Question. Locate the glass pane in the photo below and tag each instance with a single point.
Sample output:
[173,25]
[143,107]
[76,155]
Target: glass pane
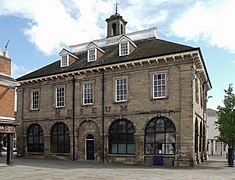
[114,148]
[149,148]
[170,137]
[130,148]
[170,148]
[150,138]
[122,148]
[160,137]
[160,148]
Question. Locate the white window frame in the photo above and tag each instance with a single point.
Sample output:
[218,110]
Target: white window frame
[88,93]
[59,101]
[160,86]
[34,99]
[122,51]
[122,95]
[89,59]
[64,60]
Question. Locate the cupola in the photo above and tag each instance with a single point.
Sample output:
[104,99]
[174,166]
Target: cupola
[116,25]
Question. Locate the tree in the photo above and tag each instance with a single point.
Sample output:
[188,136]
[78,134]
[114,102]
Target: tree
[226,123]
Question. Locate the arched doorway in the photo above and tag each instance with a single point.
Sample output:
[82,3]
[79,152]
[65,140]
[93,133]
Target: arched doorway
[90,147]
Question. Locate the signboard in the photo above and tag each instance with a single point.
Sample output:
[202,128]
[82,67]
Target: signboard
[7,129]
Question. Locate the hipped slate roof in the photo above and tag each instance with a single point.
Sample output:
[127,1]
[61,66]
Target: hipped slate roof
[146,48]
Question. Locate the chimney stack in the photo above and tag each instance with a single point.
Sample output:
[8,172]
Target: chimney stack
[0,52]
[6,54]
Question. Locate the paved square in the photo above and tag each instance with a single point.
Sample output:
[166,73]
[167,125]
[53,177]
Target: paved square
[215,168]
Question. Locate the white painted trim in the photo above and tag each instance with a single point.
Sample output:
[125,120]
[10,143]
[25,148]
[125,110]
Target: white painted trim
[57,87]
[83,93]
[88,55]
[153,85]
[119,78]
[6,118]
[120,49]
[67,60]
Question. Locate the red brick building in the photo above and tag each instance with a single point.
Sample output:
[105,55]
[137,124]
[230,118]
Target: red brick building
[7,99]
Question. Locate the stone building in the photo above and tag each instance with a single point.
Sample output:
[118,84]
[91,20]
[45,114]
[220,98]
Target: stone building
[7,100]
[215,147]
[126,98]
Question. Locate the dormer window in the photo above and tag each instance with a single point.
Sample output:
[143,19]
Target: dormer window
[91,55]
[64,61]
[123,48]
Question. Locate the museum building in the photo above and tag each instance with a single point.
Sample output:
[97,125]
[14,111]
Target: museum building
[126,98]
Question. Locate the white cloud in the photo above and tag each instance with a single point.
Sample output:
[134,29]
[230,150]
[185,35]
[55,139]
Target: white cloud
[55,24]
[209,21]
[18,70]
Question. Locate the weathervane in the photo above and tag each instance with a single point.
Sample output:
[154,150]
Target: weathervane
[116,7]
[7,45]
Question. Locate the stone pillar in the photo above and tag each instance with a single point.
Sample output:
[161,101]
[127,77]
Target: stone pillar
[46,145]
[209,147]
[9,160]
[139,148]
[213,147]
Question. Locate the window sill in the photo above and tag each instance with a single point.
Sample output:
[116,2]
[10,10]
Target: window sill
[34,110]
[120,102]
[165,155]
[121,155]
[87,105]
[159,99]
[61,154]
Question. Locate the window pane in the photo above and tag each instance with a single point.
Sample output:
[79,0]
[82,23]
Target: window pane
[121,135]
[60,140]
[122,148]
[149,149]
[150,138]
[170,148]
[91,55]
[121,89]
[114,148]
[88,93]
[162,136]
[60,96]
[35,139]
[64,61]
[124,48]
[130,148]
[159,85]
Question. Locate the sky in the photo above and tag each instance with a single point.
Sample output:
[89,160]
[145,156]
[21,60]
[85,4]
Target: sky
[38,30]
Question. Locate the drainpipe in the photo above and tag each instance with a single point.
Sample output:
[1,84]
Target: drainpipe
[102,115]
[73,116]
[205,121]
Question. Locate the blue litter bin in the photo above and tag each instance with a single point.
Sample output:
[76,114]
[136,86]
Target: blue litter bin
[158,160]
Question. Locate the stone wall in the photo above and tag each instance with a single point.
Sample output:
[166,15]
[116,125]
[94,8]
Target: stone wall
[140,108]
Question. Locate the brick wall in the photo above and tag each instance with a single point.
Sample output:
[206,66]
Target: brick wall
[6,101]
[5,65]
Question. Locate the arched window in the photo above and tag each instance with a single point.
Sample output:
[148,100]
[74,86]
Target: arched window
[160,136]
[114,28]
[35,138]
[196,136]
[60,142]
[121,137]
